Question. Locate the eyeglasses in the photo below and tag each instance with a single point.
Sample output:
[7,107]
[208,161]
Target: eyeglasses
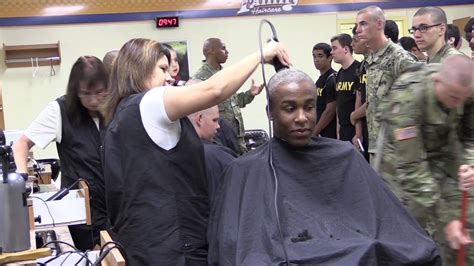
[90,95]
[422,28]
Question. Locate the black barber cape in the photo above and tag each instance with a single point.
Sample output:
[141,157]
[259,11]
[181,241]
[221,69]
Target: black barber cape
[217,158]
[334,210]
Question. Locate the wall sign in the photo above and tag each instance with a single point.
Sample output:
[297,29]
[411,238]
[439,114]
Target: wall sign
[256,7]
[30,12]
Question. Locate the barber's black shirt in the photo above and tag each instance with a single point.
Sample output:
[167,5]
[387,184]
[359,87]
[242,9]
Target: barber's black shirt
[157,200]
[79,152]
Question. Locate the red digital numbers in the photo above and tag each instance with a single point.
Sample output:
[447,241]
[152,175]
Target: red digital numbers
[167,22]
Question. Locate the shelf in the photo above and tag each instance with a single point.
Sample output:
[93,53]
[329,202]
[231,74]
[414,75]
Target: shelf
[32,55]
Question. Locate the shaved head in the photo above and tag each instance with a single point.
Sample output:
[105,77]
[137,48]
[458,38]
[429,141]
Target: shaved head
[437,14]
[370,23]
[210,44]
[375,12]
[215,52]
[458,68]
[206,123]
[284,77]
[453,83]
[292,109]
[210,110]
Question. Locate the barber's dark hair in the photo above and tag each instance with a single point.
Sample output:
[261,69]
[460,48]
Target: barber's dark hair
[133,67]
[344,39]
[167,46]
[453,31]
[438,14]
[407,43]
[326,48]
[170,48]
[87,70]
[391,30]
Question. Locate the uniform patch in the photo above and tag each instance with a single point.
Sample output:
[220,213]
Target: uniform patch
[405,133]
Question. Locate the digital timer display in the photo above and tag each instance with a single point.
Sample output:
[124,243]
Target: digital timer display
[167,22]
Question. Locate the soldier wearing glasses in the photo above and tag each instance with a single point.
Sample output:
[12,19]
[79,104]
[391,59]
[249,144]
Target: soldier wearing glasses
[428,29]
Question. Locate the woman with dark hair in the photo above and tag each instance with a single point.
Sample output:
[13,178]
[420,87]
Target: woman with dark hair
[74,122]
[156,188]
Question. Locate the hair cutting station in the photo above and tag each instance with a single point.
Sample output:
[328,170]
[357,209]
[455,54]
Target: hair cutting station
[33,226]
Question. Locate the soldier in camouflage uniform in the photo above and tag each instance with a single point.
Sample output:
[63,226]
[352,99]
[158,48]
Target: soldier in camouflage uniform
[385,63]
[216,54]
[427,134]
[428,28]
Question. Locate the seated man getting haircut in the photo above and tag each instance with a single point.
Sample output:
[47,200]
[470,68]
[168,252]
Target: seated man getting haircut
[217,157]
[320,203]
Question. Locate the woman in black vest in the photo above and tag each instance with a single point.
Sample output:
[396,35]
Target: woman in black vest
[156,189]
[74,122]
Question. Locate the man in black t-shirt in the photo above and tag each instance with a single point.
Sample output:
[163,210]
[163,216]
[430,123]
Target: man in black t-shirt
[347,81]
[325,91]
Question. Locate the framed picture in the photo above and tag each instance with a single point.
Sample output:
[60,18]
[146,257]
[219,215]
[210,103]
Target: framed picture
[181,48]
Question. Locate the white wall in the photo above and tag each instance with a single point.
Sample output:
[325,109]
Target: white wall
[2,61]
[24,96]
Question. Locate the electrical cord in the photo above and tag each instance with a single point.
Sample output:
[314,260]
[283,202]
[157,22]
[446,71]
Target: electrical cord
[47,207]
[90,199]
[60,242]
[270,130]
[86,254]
[64,191]
[68,255]
[77,181]
[75,251]
[104,250]
[83,256]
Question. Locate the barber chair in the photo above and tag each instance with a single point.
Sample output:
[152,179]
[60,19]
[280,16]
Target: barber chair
[254,138]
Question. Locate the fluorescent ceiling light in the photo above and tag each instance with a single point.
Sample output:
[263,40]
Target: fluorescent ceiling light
[61,10]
